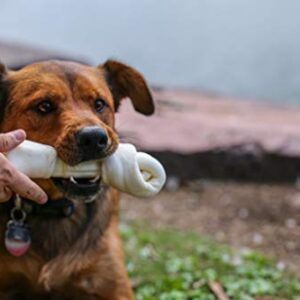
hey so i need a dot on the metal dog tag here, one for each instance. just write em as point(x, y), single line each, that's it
point(17, 238)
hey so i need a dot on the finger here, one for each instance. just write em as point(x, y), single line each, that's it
point(19, 183)
point(5, 194)
point(25, 187)
point(12, 139)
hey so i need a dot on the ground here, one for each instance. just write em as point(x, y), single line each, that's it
point(171, 265)
point(261, 217)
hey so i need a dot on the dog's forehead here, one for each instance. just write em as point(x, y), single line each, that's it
point(60, 74)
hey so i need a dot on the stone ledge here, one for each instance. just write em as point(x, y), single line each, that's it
point(198, 135)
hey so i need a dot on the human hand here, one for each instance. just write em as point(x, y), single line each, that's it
point(11, 180)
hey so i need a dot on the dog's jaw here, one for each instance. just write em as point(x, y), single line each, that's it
point(81, 189)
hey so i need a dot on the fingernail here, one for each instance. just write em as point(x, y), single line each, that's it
point(19, 135)
point(43, 199)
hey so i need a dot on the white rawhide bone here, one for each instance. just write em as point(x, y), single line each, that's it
point(129, 171)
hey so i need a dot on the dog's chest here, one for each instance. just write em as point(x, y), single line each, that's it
point(52, 236)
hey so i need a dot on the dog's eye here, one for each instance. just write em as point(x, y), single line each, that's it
point(45, 107)
point(100, 105)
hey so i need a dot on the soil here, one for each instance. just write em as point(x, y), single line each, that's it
point(263, 217)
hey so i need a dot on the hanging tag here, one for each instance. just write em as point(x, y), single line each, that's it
point(17, 238)
point(17, 235)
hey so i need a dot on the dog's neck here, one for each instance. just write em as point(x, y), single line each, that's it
point(52, 236)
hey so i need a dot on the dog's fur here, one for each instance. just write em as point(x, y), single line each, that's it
point(79, 257)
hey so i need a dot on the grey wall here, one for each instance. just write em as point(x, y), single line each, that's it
point(248, 48)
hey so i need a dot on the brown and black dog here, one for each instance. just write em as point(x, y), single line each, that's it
point(71, 107)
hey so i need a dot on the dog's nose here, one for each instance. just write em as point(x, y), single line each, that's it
point(91, 141)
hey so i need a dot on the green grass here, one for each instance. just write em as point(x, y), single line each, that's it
point(168, 265)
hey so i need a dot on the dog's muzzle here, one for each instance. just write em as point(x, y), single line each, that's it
point(92, 142)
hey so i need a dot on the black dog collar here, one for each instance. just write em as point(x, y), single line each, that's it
point(59, 208)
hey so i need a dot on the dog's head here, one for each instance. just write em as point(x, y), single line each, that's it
point(71, 107)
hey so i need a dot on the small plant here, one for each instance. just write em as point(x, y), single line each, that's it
point(168, 265)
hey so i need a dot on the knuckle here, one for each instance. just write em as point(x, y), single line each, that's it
point(29, 192)
point(5, 141)
point(32, 193)
point(6, 173)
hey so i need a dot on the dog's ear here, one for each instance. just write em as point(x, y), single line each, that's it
point(125, 81)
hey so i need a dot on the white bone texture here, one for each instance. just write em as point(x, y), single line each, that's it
point(127, 170)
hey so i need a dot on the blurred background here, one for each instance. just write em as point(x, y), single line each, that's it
point(244, 48)
point(225, 76)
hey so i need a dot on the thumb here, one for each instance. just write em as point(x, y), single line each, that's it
point(12, 139)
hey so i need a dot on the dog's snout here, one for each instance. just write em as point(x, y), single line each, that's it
point(91, 141)
point(92, 137)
